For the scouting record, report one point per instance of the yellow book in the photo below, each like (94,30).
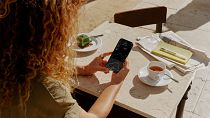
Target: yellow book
(172,52)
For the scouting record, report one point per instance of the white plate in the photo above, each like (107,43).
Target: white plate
(95,44)
(164,80)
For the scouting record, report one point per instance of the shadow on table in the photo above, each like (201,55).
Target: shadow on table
(191,17)
(85,54)
(86,100)
(88,1)
(142,91)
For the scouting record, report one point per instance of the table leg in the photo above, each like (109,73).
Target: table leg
(180,108)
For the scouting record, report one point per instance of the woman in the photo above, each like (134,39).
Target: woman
(36,63)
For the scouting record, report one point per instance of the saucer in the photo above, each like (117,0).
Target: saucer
(163,81)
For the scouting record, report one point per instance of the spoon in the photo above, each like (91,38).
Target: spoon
(172,78)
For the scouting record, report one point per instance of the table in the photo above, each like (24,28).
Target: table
(159,102)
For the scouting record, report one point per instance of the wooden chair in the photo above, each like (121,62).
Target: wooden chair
(140,17)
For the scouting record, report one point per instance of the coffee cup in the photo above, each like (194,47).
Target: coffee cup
(156,69)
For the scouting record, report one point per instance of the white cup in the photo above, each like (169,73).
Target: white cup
(156,69)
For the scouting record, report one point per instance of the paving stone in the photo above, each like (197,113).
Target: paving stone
(208,77)
(197,38)
(147,5)
(172,4)
(194,15)
(186,114)
(98,11)
(203,105)
(196,89)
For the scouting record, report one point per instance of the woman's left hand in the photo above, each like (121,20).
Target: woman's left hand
(98,64)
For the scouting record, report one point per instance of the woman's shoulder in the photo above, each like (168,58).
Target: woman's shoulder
(54,92)
(58,90)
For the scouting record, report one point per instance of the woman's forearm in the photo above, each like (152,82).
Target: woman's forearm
(83,70)
(103,105)
(105,101)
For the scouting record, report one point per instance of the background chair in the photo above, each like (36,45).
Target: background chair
(140,17)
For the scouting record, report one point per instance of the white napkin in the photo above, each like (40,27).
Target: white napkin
(148,43)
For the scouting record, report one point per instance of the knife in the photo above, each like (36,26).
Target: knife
(172,42)
(173,53)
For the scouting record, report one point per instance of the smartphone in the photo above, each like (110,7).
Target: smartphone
(120,53)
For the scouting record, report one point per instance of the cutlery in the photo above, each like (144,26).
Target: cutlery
(172,78)
(173,53)
(172,42)
(96,36)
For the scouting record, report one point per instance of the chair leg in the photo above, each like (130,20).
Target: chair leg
(180,108)
(159,28)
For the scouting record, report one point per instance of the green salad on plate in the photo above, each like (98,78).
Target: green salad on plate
(83,40)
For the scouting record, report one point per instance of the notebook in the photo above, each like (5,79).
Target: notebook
(172,52)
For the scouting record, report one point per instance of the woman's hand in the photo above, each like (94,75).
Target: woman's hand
(98,64)
(120,76)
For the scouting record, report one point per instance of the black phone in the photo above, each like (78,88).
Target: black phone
(120,53)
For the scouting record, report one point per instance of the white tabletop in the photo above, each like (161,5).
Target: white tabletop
(134,95)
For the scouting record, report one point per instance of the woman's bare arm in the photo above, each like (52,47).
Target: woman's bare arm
(103,104)
(105,101)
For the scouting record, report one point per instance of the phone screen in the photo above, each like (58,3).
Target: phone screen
(120,53)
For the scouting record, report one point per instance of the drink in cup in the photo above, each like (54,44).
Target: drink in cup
(156,69)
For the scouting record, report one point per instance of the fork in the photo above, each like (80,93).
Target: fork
(96,36)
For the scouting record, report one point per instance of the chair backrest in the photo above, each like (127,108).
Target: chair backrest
(140,17)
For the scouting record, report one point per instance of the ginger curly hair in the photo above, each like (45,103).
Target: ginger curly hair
(33,40)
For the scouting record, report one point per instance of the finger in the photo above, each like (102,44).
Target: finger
(101,56)
(124,71)
(106,72)
(104,62)
(106,54)
(114,74)
(126,64)
(103,69)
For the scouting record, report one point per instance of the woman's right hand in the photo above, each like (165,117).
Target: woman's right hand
(120,76)
(103,105)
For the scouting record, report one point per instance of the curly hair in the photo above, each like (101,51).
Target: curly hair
(33,41)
